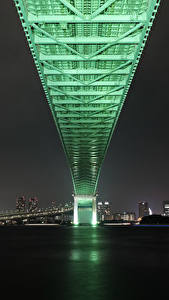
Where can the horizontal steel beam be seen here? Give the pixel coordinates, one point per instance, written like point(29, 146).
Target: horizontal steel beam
point(76, 83)
point(80, 136)
point(75, 127)
point(73, 102)
point(86, 108)
point(102, 18)
point(85, 130)
point(74, 115)
point(86, 71)
point(43, 57)
point(76, 132)
point(86, 40)
point(90, 121)
point(83, 138)
point(86, 93)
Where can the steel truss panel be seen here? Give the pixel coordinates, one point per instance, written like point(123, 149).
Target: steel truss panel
point(86, 53)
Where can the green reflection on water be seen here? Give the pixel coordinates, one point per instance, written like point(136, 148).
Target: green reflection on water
point(86, 263)
point(85, 242)
point(80, 255)
point(94, 256)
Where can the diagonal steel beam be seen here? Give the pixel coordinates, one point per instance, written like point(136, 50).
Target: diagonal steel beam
point(92, 81)
point(65, 109)
point(61, 72)
point(64, 93)
point(111, 72)
point(56, 40)
point(136, 27)
point(101, 8)
point(109, 92)
point(72, 8)
point(104, 109)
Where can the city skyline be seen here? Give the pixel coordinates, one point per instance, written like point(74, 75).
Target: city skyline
point(32, 159)
point(23, 203)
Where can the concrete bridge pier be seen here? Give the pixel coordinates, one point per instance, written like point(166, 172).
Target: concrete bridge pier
point(85, 210)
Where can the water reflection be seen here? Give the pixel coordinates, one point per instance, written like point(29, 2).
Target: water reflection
point(85, 244)
point(86, 263)
point(80, 255)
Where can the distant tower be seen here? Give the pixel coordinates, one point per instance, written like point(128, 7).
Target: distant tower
point(107, 209)
point(143, 209)
point(166, 208)
point(100, 213)
point(21, 203)
point(103, 210)
point(54, 205)
point(32, 204)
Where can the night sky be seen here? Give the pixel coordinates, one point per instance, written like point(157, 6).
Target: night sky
point(32, 162)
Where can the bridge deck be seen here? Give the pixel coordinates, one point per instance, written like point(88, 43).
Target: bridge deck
point(86, 53)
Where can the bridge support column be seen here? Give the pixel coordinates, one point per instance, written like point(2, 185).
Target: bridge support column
point(85, 209)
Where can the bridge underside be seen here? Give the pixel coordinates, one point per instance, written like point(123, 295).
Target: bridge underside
point(86, 53)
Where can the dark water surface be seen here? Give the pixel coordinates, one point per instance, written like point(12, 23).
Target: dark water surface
point(117, 263)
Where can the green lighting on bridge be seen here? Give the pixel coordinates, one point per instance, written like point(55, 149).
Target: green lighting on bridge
point(86, 53)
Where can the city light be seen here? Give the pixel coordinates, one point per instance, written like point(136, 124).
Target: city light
point(94, 218)
point(75, 213)
point(75, 220)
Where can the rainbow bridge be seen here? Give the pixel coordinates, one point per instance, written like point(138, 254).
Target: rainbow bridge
point(86, 53)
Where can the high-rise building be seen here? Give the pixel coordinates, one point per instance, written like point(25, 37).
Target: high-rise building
point(166, 208)
point(103, 210)
point(32, 204)
point(68, 205)
point(100, 214)
point(21, 203)
point(54, 204)
point(143, 209)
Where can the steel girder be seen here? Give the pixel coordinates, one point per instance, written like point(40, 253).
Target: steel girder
point(86, 53)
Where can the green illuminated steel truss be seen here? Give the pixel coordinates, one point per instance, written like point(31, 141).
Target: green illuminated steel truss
point(86, 53)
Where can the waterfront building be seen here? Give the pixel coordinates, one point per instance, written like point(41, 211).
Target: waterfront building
point(128, 216)
point(125, 216)
point(103, 211)
point(21, 203)
point(143, 209)
point(54, 204)
point(68, 205)
point(116, 216)
point(166, 208)
point(32, 204)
